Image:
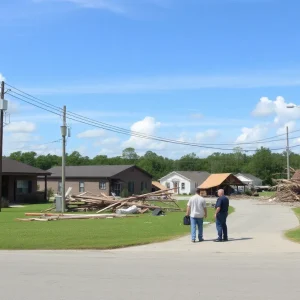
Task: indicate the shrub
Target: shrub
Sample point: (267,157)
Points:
(50,193)
(248,192)
(4,203)
(124,193)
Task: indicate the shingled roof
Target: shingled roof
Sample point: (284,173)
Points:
(10,167)
(99,171)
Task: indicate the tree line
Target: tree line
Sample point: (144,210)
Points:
(263,163)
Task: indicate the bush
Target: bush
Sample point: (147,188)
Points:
(248,192)
(50,193)
(124,193)
(4,203)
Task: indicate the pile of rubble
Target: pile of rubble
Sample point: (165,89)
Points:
(286,190)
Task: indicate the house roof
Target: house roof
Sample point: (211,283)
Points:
(158,185)
(250,176)
(215,180)
(99,171)
(196,176)
(10,166)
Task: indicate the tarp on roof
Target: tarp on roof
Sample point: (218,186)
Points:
(158,185)
(216,180)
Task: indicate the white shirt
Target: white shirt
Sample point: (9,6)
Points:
(197,205)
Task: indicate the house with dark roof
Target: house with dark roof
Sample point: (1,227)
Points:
(106,179)
(19,181)
(249,180)
(184,182)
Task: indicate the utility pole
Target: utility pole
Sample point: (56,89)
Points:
(288,154)
(3,107)
(63,165)
(1,141)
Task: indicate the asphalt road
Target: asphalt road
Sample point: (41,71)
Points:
(258,263)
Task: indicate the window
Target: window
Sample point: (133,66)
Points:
(196,185)
(142,185)
(168,185)
(102,185)
(59,189)
(23,187)
(182,185)
(81,187)
(131,187)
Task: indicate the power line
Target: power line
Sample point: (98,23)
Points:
(49,105)
(37,145)
(84,120)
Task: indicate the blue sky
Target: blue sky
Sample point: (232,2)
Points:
(202,71)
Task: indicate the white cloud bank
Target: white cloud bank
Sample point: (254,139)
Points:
(277,108)
(92,133)
(20,127)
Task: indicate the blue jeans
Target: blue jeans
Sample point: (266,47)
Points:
(222,226)
(197,222)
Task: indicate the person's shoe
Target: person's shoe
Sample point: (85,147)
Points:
(218,241)
(201,240)
(225,240)
(193,241)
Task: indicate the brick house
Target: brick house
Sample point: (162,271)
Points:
(19,181)
(105,179)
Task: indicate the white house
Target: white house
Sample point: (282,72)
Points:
(249,180)
(184,182)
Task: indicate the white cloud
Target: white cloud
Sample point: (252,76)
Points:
(207,135)
(110,5)
(173,82)
(108,141)
(278,109)
(197,116)
(147,126)
(2,78)
(291,125)
(252,134)
(92,133)
(20,127)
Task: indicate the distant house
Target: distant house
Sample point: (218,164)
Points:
(105,179)
(249,180)
(19,181)
(226,181)
(184,182)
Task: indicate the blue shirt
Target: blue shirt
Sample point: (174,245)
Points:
(223,203)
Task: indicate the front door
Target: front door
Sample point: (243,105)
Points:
(176,187)
(116,188)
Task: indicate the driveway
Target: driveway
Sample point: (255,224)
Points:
(257,264)
(253,228)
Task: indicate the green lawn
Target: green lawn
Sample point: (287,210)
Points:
(88,234)
(294,234)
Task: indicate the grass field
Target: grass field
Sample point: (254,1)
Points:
(88,234)
(294,234)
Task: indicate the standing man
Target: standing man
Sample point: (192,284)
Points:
(221,215)
(196,209)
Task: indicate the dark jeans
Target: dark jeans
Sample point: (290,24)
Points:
(222,226)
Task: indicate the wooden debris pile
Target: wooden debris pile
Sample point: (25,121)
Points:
(286,190)
(45,217)
(100,203)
